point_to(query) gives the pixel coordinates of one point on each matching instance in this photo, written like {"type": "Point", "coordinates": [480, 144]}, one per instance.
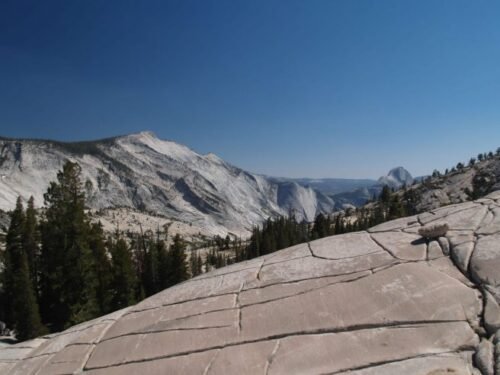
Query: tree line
{"type": "Point", "coordinates": [60, 269]}
{"type": "Point", "coordinates": [282, 232]}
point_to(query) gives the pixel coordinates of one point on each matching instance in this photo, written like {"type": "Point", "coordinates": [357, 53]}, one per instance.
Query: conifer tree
{"type": "Point", "coordinates": [27, 321]}
{"type": "Point", "coordinates": [339, 227]}
{"type": "Point", "coordinates": [23, 312]}
{"type": "Point", "coordinates": [137, 245]}
{"type": "Point", "coordinates": [163, 263]}
{"type": "Point", "coordinates": [192, 263]}
{"type": "Point", "coordinates": [385, 195]}
{"type": "Point", "coordinates": [13, 251]}
{"type": "Point", "coordinates": [275, 234]}
{"type": "Point", "coordinates": [378, 215]}
{"type": "Point", "coordinates": [253, 250]}
{"type": "Point", "coordinates": [396, 209]}
{"type": "Point", "coordinates": [156, 267]}
{"type": "Point", "coordinates": [196, 264]}
{"type": "Point", "coordinates": [102, 268]}
{"type": "Point", "coordinates": [322, 227]}
{"type": "Point", "coordinates": [177, 265]}
{"type": "Point", "coordinates": [68, 282]}
{"type": "Point", "coordinates": [150, 277]}
{"type": "Point", "coordinates": [31, 240]}
{"type": "Point", "coordinates": [124, 277]}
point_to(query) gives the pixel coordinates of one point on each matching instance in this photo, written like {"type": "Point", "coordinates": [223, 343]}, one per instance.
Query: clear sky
{"type": "Point", "coordinates": [289, 88]}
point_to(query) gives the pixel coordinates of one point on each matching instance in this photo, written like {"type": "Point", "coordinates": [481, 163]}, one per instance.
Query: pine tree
{"type": "Point", "coordinates": [198, 265]}
{"type": "Point", "coordinates": [124, 277]}
{"type": "Point", "coordinates": [156, 264]}
{"type": "Point", "coordinates": [27, 322]}
{"type": "Point", "coordinates": [102, 268]}
{"type": "Point", "coordinates": [177, 265]}
{"type": "Point", "coordinates": [138, 248]}
{"type": "Point", "coordinates": [339, 226]}
{"type": "Point", "coordinates": [396, 209]}
{"type": "Point", "coordinates": [385, 195]}
{"type": "Point", "coordinates": [31, 240]}
{"type": "Point", "coordinates": [68, 281]}
{"type": "Point", "coordinates": [322, 227]}
{"type": "Point", "coordinates": [253, 250]}
{"type": "Point", "coordinates": [410, 200]}
{"type": "Point", "coordinates": [378, 215]}
{"type": "Point", "coordinates": [13, 252]}
{"type": "Point", "coordinates": [276, 234]}
{"type": "Point", "coordinates": [23, 313]}
{"type": "Point", "coordinates": [163, 263]}
{"type": "Point", "coordinates": [150, 277]}
{"type": "Point", "coordinates": [193, 267]}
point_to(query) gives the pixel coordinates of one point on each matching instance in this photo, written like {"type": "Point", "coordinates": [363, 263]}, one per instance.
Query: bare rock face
{"type": "Point", "coordinates": [384, 302]}
{"type": "Point", "coordinates": [142, 172]}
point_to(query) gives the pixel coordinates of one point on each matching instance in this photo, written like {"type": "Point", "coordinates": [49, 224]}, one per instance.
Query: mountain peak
{"type": "Point", "coordinates": [148, 133]}
{"type": "Point", "coordinates": [396, 178]}
{"type": "Point", "coordinates": [145, 134]}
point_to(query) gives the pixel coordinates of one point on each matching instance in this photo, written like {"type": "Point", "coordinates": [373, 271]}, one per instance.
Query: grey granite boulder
{"type": "Point", "coordinates": [485, 357]}
{"type": "Point", "coordinates": [434, 230]}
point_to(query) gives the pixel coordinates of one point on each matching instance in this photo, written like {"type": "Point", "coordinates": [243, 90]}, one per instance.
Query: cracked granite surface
{"type": "Point", "coordinates": [384, 301]}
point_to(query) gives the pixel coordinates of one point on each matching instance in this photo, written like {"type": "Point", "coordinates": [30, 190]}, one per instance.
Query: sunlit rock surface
{"type": "Point", "coordinates": [139, 173]}
{"type": "Point", "coordinates": [385, 301]}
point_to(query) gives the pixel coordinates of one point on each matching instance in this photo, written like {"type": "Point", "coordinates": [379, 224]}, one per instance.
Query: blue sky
{"type": "Point", "coordinates": [290, 88]}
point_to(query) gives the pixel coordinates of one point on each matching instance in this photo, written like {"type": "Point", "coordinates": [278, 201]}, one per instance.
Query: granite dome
{"type": "Point", "coordinates": [382, 301]}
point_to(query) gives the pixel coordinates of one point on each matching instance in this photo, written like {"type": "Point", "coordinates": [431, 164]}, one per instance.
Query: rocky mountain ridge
{"type": "Point", "coordinates": [457, 185]}
{"type": "Point", "coordinates": [383, 301]}
{"type": "Point", "coordinates": [144, 173]}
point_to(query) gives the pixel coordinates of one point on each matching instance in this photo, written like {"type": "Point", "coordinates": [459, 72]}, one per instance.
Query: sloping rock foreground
{"type": "Point", "coordinates": [385, 301]}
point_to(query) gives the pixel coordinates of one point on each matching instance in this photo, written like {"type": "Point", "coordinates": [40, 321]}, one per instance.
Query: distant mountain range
{"type": "Point", "coordinates": [330, 186]}
{"type": "Point", "coordinates": [145, 173]}
{"type": "Point", "coordinates": [354, 192]}
{"type": "Point", "coordinates": [141, 172]}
